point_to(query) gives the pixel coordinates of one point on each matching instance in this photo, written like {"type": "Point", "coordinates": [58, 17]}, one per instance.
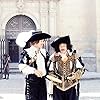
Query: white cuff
{"type": "Point", "coordinates": [78, 64]}
{"type": "Point", "coordinates": [26, 69]}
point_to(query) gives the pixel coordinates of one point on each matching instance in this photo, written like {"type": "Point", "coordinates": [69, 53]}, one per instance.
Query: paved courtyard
{"type": "Point", "coordinates": [13, 89]}
{"type": "Point", "coordinates": [90, 90]}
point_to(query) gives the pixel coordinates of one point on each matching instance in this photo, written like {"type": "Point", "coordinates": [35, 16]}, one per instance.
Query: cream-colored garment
{"type": "Point", "coordinates": [34, 52]}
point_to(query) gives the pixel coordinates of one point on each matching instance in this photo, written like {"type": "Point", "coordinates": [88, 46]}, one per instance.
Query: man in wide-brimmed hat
{"type": "Point", "coordinates": [67, 67]}
{"type": "Point", "coordinates": [33, 63]}
{"type": "Point", "coordinates": [66, 40]}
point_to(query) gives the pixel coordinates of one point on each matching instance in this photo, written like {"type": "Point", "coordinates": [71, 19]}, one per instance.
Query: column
{"type": "Point", "coordinates": [98, 35]}
{"type": "Point", "coordinates": [44, 15]}
{"type": "Point", "coordinates": [52, 17]}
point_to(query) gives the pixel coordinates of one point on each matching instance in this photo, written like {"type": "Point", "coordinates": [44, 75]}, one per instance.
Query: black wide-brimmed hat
{"type": "Point", "coordinates": [38, 35]}
{"type": "Point", "coordinates": [24, 38]}
{"type": "Point", "coordinates": [66, 39]}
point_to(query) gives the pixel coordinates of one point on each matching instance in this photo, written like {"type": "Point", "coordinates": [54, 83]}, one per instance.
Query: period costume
{"type": "Point", "coordinates": [32, 59]}
{"type": "Point", "coordinates": [6, 60]}
{"type": "Point", "coordinates": [68, 69]}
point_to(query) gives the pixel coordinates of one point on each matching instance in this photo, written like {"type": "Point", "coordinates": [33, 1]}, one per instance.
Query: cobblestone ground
{"type": "Point", "coordinates": [13, 89]}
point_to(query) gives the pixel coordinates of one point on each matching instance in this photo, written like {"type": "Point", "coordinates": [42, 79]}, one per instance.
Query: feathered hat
{"type": "Point", "coordinates": [25, 37]}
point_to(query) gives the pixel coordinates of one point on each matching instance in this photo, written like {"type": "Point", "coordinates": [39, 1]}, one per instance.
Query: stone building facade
{"type": "Point", "coordinates": [80, 19]}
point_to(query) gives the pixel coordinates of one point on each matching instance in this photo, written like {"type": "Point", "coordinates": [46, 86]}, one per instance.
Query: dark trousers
{"type": "Point", "coordinates": [64, 95]}
{"type": "Point", "coordinates": [35, 88]}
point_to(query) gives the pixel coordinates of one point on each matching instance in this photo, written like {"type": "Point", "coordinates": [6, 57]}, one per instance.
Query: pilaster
{"type": "Point", "coordinates": [52, 17]}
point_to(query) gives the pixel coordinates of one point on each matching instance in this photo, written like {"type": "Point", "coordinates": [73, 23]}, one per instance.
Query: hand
{"type": "Point", "coordinates": [52, 57]}
{"type": "Point", "coordinates": [56, 54]}
{"type": "Point", "coordinates": [38, 73]}
{"type": "Point", "coordinates": [78, 74]}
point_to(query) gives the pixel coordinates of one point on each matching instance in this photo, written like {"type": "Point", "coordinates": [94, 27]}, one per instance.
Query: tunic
{"type": "Point", "coordinates": [63, 69]}
{"type": "Point", "coordinates": [35, 86]}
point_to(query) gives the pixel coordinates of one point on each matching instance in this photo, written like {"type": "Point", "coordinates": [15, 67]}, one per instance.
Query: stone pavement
{"type": "Point", "coordinates": [89, 87]}
{"type": "Point", "coordinates": [13, 89]}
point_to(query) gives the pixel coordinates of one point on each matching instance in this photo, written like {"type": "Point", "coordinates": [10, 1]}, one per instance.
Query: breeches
{"type": "Point", "coordinates": [64, 95]}
{"type": "Point", "coordinates": [35, 88]}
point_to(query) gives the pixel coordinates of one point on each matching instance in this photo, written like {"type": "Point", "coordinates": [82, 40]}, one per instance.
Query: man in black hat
{"type": "Point", "coordinates": [66, 69]}
{"type": "Point", "coordinates": [33, 63]}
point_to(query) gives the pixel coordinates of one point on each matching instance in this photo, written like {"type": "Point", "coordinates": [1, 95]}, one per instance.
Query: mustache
{"type": "Point", "coordinates": [62, 49]}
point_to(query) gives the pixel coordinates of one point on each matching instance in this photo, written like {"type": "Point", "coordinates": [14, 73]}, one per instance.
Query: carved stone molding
{"type": "Point", "coordinates": [52, 7]}
{"type": "Point", "coordinates": [43, 6]}
{"type": "Point", "coordinates": [20, 5]}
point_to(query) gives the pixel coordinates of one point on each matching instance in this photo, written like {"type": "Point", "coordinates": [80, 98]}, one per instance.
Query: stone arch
{"type": "Point", "coordinates": [6, 19]}
{"type": "Point", "coordinates": [14, 26]}
{"type": "Point", "coordinates": [17, 24]}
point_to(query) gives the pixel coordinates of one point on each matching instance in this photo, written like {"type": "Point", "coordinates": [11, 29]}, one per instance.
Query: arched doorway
{"type": "Point", "coordinates": [14, 26]}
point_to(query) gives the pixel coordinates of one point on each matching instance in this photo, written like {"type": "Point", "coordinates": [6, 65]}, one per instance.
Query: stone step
{"type": "Point", "coordinates": [13, 65]}
{"type": "Point", "coordinates": [13, 68]}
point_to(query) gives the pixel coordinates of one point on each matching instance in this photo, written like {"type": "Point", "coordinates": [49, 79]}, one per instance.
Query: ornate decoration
{"type": "Point", "coordinates": [19, 24]}
{"type": "Point", "coordinates": [20, 5]}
